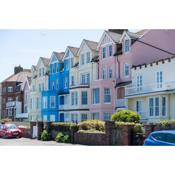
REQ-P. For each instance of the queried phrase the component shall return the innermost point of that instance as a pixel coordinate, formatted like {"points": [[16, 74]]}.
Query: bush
{"points": [[64, 138], [45, 136], [166, 124], [126, 116], [138, 128], [92, 124], [65, 126]]}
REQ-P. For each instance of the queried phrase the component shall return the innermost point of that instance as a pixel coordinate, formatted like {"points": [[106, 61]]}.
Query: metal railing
{"points": [[148, 88]]}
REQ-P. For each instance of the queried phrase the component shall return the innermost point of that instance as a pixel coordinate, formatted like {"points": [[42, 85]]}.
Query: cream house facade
{"points": [[82, 74], [152, 92], [39, 82]]}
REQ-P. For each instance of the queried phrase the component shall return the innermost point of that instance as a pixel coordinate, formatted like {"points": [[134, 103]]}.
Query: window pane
{"points": [[170, 138], [104, 52], [110, 50], [163, 106], [84, 98], [107, 95], [96, 96]]}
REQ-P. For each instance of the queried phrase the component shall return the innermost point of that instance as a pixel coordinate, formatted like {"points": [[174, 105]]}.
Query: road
{"points": [[29, 142]]}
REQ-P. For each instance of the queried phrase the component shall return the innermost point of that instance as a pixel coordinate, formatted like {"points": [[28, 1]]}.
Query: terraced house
{"points": [[83, 72], [50, 96], [39, 83], [93, 81]]}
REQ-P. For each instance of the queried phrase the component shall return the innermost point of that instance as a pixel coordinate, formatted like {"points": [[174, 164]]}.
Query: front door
{"points": [[62, 117]]}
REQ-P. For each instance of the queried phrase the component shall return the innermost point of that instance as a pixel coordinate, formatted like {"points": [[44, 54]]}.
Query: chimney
{"points": [[17, 69], [119, 31]]}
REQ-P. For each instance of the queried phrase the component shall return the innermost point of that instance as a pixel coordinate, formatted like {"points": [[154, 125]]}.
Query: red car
{"points": [[10, 131]]}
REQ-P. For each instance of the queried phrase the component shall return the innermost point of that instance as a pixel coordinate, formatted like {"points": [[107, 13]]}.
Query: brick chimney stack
{"points": [[18, 69]]}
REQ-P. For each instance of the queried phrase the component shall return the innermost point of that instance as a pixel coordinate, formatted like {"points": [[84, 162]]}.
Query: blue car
{"points": [[161, 138]]}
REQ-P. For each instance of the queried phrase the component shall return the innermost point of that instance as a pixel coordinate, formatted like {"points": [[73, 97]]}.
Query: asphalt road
{"points": [[29, 142]]}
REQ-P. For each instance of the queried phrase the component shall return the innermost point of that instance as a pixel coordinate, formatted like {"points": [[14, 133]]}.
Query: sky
{"points": [[24, 47]]}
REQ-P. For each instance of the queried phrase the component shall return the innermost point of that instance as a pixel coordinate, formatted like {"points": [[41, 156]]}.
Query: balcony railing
{"points": [[149, 88], [121, 103]]}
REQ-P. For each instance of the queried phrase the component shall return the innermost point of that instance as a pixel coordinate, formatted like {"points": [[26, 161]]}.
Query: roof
{"points": [[133, 35], [121, 84], [74, 50], [19, 77], [142, 32], [45, 61], [114, 36], [59, 55], [92, 44]]}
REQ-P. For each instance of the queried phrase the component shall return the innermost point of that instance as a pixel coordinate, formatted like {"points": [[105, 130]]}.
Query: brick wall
{"points": [[90, 138]]}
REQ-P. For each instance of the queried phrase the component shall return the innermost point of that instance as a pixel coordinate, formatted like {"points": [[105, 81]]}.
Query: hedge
{"points": [[92, 125], [64, 126]]}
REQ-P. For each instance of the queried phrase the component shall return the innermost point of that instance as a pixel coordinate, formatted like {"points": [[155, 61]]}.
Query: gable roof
{"points": [[114, 36], [59, 55], [92, 45], [74, 50], [45, 61]]}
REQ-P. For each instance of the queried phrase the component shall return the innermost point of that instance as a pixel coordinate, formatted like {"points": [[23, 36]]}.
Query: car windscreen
{"points": [[159, 136], [11, 126]]}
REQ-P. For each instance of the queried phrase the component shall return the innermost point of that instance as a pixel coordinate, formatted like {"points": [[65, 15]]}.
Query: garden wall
{"points": [[90, 138]]}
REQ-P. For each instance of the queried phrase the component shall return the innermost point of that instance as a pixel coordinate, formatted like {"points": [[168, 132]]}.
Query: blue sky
{"points": [[24, 47]]}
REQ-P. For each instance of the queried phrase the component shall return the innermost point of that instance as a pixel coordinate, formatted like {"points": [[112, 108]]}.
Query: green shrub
{"points": [[63, 138], [45, 136], [166, 124], [126, 116], [65, 126], [138, 128], [92, 124]]}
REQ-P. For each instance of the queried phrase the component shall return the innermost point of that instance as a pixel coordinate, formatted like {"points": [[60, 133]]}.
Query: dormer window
{"points": [[126, 45]]}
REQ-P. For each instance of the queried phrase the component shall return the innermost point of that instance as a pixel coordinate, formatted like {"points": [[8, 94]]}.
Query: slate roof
{"points": [[59, 55], [19, 77], [92, 45], [114, 36], [45, 61], [74, 50]]}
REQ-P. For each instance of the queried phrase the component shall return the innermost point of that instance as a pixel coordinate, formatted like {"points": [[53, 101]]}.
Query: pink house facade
{"points": [[103, 92]]}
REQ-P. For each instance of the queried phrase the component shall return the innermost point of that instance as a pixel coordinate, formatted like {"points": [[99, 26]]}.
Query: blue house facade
{"points": [[64, 96], [50, 98]]}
